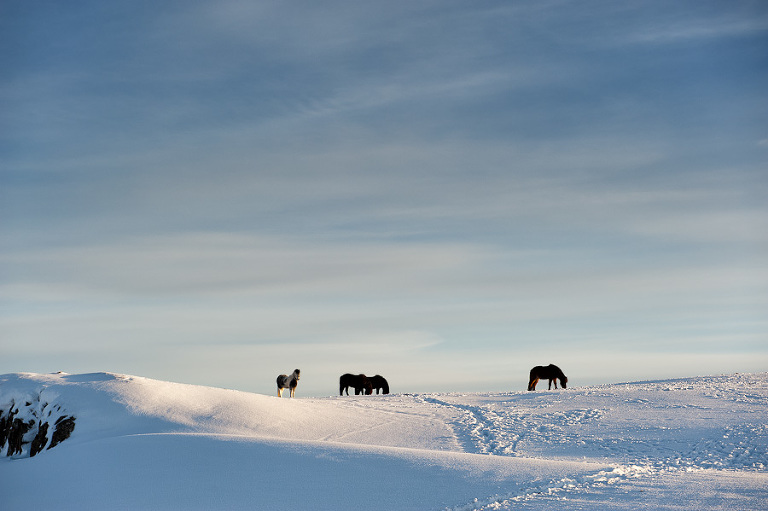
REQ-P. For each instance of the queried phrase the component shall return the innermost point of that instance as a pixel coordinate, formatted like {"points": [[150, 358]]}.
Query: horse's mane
{"points": [[379, 381]]}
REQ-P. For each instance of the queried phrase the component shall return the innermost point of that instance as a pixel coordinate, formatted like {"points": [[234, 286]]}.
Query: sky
{"points": [[444, 193]]}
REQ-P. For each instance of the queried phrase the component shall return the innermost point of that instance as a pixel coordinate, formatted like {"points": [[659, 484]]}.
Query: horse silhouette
{"points": [[288, 382], [550, 372], [379, 383], [359, 382]]}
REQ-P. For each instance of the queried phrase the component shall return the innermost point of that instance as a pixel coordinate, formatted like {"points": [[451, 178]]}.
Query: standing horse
{"points": [[379, 383], [550, 372], [288, 382], [359, 382]]}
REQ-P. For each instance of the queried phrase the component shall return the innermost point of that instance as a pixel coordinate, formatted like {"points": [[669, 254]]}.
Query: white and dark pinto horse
{"points": [[378, 382], [550, 372], [288, 382], [359, 382]]}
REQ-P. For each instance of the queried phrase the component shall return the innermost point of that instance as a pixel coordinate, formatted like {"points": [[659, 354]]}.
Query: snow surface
{"points": [[688, 444]]}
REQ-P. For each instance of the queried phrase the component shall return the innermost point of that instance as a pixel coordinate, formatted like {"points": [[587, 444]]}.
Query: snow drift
{"points": [[137, 443]]}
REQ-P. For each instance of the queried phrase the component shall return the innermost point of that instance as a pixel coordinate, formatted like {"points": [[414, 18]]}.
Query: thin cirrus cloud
{"points": [[458, 186]]}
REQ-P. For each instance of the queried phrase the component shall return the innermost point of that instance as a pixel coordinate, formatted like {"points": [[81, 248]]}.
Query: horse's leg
{"points": [[293, 391], [549, 387], [279, 392]]}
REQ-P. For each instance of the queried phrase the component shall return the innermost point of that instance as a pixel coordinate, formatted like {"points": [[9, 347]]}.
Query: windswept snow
{"points": [[696, 443]]}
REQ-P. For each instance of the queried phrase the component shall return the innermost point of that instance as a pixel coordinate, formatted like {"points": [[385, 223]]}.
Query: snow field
{"points": [[697, 443]]}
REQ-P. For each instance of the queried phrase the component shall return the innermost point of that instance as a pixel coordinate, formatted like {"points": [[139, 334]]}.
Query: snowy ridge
{"points": [[148, 444]]}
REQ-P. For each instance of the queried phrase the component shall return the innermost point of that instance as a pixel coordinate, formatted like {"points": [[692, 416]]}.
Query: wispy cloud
{"points": [[682, 30], [443, 182], [213, 262]]}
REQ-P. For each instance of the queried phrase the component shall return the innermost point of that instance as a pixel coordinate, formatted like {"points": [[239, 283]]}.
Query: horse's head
{"points": [[297, 373], [563, 382]]}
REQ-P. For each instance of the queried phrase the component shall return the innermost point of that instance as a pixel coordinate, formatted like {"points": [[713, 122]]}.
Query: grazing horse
{"points": [[359, 382], [379, 383], [288, 382], [550, 372]]}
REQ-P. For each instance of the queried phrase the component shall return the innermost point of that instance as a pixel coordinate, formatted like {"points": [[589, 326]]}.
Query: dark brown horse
{"points": [[359, 382], [550, 372], [379, 383]]}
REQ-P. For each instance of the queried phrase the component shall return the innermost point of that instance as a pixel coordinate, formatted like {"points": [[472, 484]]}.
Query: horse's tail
{"points": [[344, 382], [534, 379]]}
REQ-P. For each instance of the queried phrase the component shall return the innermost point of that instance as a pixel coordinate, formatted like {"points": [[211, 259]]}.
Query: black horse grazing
{"points": [[359, 382], [550, 372], [288, 382], [379, 383]]}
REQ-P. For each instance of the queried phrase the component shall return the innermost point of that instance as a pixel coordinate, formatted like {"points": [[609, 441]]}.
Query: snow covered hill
{"points": [[697, 443]]}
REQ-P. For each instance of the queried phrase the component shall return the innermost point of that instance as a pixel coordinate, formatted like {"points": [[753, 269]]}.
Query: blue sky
{"points": [[444, 193]]}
